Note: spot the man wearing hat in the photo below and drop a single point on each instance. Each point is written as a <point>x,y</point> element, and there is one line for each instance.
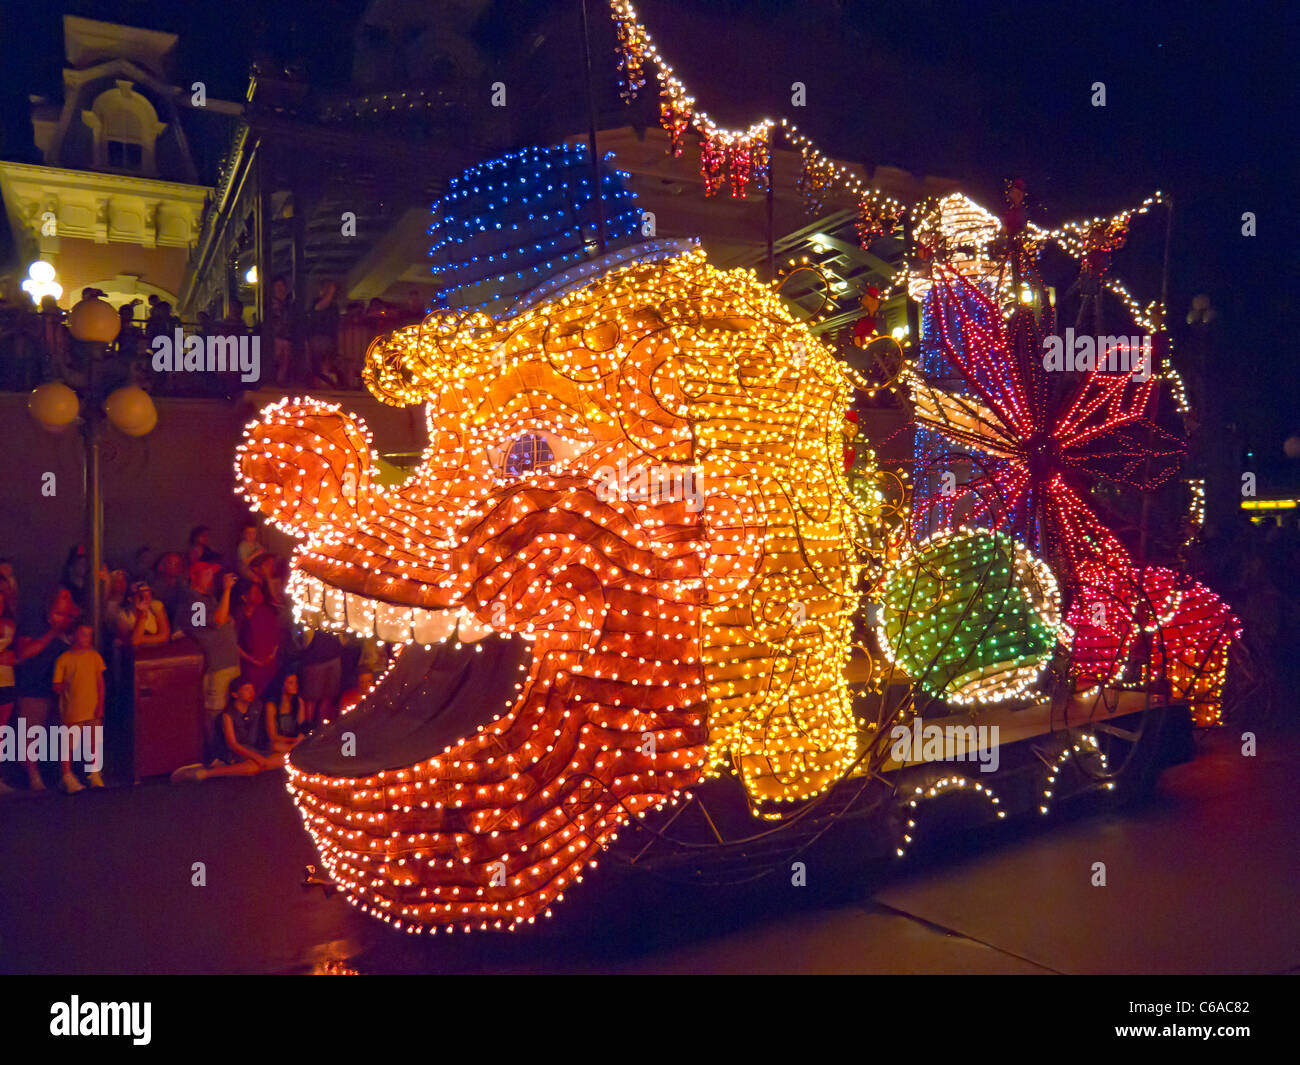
<point>142,620</point>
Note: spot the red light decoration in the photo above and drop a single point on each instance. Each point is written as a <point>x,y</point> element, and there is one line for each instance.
<point>1037,456</point>
<point>1186,629</point>
<point>1038,453</point>
<point>733,157</point>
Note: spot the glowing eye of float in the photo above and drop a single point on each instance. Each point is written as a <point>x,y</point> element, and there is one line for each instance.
<point>528,452</point>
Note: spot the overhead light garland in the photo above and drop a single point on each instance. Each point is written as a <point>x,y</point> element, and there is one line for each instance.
<point>735,157</point>
<point>1099,234</point>
<point>739,157</point>
<point>878,214</point>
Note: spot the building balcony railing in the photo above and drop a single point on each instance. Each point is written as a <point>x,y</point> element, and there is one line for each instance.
<point>322,349</point>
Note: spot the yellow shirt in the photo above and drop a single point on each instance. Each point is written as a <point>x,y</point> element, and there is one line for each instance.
<point>78,672</point>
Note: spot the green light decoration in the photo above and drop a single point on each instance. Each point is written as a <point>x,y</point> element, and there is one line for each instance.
<point>971,616</point>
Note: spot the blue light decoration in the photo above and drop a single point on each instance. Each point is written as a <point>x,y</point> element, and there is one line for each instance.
<point>504,227</point>
<point>933,454</point>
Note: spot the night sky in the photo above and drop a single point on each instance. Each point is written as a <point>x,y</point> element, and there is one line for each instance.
<point>1200,103</point>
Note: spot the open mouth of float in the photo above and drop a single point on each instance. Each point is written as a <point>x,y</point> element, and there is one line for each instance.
<point>465,791</point>
<point>454,676</point>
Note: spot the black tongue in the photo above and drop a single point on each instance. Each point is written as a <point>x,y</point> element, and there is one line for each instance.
<point>429,699</point>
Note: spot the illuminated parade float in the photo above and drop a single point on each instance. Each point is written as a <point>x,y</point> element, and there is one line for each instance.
<point>645,563</point>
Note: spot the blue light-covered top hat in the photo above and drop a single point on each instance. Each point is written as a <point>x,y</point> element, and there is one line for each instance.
<point>523,228</point>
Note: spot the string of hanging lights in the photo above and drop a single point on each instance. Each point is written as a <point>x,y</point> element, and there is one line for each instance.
<point>734,157</point>
<point>739,157</point>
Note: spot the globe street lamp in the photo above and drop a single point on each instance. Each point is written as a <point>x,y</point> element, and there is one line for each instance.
<point>96,324</point>
<point>40,282</point>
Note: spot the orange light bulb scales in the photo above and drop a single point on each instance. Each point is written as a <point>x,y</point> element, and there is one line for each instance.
<point>670,631</point>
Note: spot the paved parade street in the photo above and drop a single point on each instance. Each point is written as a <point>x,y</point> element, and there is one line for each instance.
<point>1200,880</point>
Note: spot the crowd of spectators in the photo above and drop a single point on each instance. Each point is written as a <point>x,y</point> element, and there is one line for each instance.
<point>321,345</point>
<point>265,682</point>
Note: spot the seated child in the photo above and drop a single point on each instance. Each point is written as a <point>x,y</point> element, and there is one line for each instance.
<point>239,736</point>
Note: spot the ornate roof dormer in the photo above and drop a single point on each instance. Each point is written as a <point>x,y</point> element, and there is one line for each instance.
<point>125,127</point>
<point>119,113</point>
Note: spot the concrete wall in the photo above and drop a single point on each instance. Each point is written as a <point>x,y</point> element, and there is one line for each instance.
<point>156,488</point>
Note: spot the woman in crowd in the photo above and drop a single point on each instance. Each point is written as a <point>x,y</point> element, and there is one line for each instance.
<point>284,715</point>
<point>200,551</point>
<point>322,334</point>
<point>169,584</point>
<point>262,567</point>
<point>34,671</point>
<point>280,319</point>
<point>76,575</point>
<point>115,593</point>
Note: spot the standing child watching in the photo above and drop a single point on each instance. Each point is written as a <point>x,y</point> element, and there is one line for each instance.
<point>249,548</point>
<point>79,682</point>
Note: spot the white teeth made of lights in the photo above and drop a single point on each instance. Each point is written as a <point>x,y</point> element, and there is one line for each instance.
<point>321,605</point>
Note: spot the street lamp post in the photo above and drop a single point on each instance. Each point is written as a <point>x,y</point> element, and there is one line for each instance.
<point>95,323</point>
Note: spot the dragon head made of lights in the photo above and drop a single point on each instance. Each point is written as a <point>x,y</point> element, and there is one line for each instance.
<point>623,564</point>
